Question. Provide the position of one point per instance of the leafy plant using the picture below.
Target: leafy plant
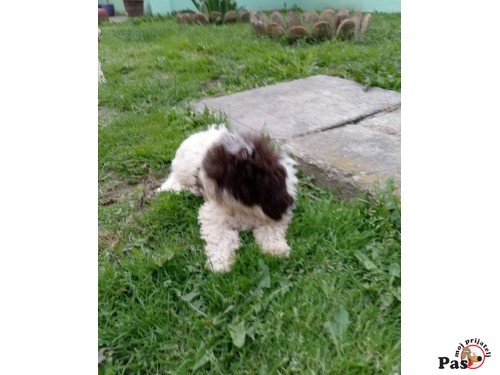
(207, 6)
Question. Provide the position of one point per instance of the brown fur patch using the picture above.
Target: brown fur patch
(252, 178)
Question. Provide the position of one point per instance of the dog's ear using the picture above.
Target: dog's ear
(465, 353)
(275, 198)
(217, 163)
(271, 180)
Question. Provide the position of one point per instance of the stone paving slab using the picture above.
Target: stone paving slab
(289, 109)
(348, 137)
(353, 158)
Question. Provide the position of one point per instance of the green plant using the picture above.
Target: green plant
(207, 6)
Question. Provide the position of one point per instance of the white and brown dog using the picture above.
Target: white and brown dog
(247, 184)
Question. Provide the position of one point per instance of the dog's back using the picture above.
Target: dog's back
(188, 159)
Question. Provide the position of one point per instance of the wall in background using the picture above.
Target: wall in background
(164, 7)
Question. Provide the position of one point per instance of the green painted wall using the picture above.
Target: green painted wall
(161, 7)
(164, 7)
(389, 6)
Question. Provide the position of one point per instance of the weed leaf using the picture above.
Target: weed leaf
(365, 261)
(394, 270)
(221, 318)
(101, 355)
(265, 282)
(161, 258)
(238, 333)
(341, 317)
(205, 358)
(336, 328)
(190, 296)
(386, 300)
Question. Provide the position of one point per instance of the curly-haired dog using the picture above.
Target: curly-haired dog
(247, 184)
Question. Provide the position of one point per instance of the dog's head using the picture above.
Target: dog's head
(248, 169)
(466, 353)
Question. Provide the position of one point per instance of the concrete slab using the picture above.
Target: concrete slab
(353, 158)
(348, 137)
(299, 107)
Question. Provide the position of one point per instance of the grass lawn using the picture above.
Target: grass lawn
(332, 308)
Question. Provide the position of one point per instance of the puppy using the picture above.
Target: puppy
(247, 184)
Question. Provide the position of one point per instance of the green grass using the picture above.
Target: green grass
(333, 307)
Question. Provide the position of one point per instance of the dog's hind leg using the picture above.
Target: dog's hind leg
(180, 179)
(221, 241)
(171, 184)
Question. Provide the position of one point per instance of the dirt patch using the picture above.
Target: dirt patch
(142, 192)
(114, 192)
(106, 115)
(210, 84)
(108, 240)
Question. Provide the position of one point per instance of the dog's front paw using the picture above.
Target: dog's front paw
(281, 250)
(219, 267)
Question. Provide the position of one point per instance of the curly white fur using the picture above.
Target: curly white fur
(221, 219)
(188, 160)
